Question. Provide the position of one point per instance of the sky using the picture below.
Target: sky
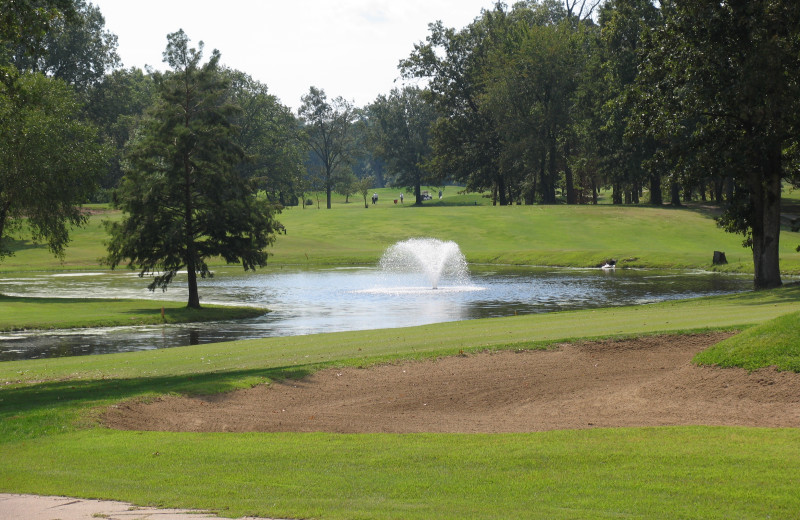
(348, 48)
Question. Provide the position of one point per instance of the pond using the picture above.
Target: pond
(307, 301)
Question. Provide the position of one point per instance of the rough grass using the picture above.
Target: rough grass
(775, 343)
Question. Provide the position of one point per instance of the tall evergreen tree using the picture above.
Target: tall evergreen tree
(182, 196)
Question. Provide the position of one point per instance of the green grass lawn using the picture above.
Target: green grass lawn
(772, 343)
(18, 313)
(51, 443)
(526, 235)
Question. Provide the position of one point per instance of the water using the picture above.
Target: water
(306, 301)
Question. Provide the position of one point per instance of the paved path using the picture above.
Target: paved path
(33, 507)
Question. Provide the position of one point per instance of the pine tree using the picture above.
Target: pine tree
(182, 197)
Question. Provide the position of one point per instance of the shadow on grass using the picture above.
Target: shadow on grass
(13, 245)
(787, 294)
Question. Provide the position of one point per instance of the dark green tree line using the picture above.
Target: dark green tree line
(720, 87)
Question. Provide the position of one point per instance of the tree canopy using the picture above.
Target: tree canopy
(50, 161)
(720, 87)
(401, 124)
(50, 158)
(328, 133)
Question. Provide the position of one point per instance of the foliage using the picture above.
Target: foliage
(116, 105)
(504, 89)
(268, 134)
(27, 22)
(50, 161)
(720, 85)
(75, 49)
(401, 126)
(465, 142)
(327, 132)
(183, 197)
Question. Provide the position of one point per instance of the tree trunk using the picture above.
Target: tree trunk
(655, 190)
(572, 197)
(765, 197)
(675, 194)
(188, 229)
(194, 296)
(501, 189)
(718, 186)
(328, 189)
(549, 177)
(616, 193)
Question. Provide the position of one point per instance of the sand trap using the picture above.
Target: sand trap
(642, 382)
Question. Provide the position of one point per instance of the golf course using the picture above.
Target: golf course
(58, 435)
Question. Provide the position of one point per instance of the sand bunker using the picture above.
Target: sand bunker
(642, 382)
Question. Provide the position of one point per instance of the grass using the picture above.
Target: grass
(51, 443)
(21, 313)
(525, 235)
(773, 343)
(665, 473)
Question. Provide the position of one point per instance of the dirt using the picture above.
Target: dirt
(641, 382)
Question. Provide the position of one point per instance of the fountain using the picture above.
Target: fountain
(431, 257)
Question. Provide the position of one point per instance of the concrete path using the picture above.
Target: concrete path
(33, 507)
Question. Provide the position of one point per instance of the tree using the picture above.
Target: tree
(466, 146)
(327, 131)
(625, 153)
(268, 134)
(76, 49)
(345, 184)
(363, 186)
(25, 24)
(721, 84)
(50, 160)
(402, 123)
(116, 105)
(182, 196)
(532, 82)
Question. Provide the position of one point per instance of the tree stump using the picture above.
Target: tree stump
(719, 258)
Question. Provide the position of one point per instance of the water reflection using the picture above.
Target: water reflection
(327, 300)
